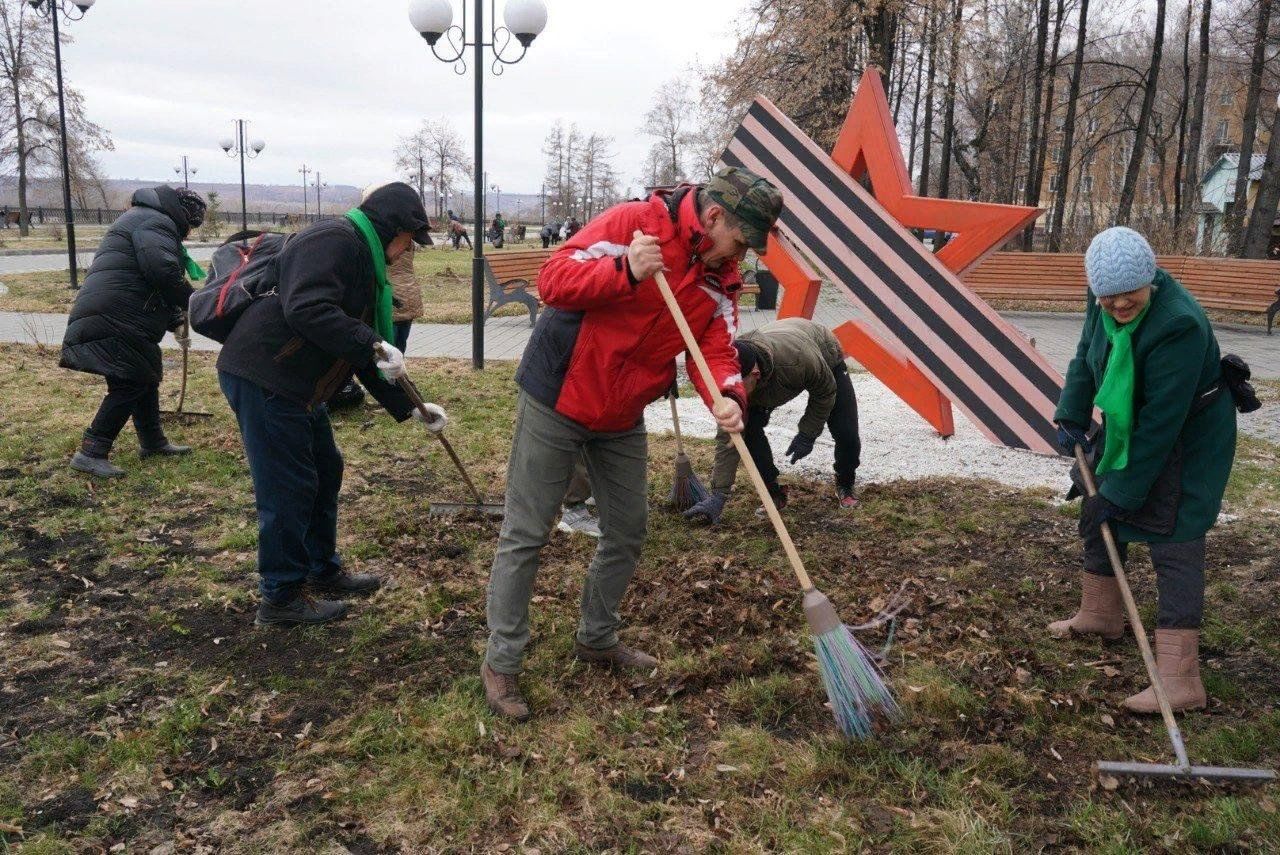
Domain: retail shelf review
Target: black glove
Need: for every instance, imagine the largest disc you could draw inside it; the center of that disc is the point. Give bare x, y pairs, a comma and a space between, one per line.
800, 447
1094, 511
1070, 435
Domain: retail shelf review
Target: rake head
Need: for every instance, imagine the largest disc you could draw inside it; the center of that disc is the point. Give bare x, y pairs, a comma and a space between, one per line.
686, 489
855, 685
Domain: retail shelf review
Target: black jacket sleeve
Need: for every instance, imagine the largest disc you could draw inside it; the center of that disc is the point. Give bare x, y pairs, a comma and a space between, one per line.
389, 395
315, 272
159, 252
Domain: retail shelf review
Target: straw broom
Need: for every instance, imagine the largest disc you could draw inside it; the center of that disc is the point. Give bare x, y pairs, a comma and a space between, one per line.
686, 489
855, 686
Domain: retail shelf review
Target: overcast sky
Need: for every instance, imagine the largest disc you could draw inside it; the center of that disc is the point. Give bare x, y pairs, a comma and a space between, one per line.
335, 83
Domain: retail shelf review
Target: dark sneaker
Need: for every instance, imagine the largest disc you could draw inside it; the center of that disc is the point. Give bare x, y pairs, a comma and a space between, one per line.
99, 466
845, 496
343, 582
166, 450
502, 692
619, 656
301, 609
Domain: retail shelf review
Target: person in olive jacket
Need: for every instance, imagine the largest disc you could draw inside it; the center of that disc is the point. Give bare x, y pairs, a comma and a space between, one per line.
135, 291
780, 361
1149, 361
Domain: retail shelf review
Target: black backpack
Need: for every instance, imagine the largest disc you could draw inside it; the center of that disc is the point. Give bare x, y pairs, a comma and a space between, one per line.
243, 270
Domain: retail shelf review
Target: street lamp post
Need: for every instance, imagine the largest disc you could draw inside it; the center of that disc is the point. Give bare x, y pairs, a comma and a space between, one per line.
318, 185
186, 171
304, 172
238, 147
51, 8
432, 19
498, 190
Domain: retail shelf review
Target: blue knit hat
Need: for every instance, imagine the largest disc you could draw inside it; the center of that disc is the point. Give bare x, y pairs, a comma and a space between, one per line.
1119, 260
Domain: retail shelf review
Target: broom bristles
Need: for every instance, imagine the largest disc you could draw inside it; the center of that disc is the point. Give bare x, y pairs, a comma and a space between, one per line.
855, 685
686, 489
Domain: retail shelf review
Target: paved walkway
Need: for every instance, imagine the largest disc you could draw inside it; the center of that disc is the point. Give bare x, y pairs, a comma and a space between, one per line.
58, 260
1055, 336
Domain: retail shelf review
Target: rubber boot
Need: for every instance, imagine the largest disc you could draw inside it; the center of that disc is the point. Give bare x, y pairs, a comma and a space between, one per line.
1101, 610
167, 449
94, 465
1178, 664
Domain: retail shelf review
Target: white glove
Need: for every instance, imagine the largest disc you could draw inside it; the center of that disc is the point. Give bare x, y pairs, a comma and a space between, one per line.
437, 416
390, 361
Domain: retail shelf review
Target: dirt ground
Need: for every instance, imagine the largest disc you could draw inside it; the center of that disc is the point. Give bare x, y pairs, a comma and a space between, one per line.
142, 712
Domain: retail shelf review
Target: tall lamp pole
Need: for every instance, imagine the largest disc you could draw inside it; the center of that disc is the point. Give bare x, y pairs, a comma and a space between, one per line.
186, 171
524, 19
304, 172
498, 190
319, 184
239, 147
51, 9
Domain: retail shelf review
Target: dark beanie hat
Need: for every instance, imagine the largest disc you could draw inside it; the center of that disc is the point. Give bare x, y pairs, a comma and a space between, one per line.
748, 358
192, 206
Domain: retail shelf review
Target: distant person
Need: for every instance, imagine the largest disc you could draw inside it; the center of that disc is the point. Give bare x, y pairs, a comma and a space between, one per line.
547, 234
457, 230
136, 290
6, 216
572, 228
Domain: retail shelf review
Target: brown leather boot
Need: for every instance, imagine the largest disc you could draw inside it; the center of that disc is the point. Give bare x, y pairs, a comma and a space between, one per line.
1101, 610
619, 656
1178, 664
502, 691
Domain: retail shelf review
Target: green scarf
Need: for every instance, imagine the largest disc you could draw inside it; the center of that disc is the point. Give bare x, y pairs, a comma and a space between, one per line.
1115, 394
194, 271
382, 313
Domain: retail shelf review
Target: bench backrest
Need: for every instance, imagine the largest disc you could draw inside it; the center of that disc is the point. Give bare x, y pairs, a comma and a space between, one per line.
517, 264
1236, 284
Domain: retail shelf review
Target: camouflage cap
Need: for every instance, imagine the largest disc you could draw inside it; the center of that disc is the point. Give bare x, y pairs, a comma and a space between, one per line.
750, 198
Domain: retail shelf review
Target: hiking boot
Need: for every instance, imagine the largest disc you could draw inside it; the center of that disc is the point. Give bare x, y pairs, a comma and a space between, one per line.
577, 519
301, 609
846, 498
341, 582
502, 692
1101, 610
99, 466
166, 450
1178, 664
619, 656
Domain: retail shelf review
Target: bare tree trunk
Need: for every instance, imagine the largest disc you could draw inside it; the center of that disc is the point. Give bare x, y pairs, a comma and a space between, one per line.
1191, 182
1258, 239
949, 103
1130, 186
1069, 132
915, 102
1235, 218
1040, 124
900, 79
928, 103
1182, 120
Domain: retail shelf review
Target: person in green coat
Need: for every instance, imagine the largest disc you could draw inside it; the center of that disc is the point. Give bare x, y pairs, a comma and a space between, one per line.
1148, 360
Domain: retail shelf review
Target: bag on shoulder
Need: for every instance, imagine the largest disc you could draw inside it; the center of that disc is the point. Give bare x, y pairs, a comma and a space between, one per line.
243, 270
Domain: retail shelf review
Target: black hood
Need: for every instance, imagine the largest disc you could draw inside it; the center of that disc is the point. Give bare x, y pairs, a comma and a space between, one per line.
395, 208
165, 200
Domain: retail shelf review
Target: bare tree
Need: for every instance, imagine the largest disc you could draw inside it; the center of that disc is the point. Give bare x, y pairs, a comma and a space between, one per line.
1191, 180
1258, 238
1257, 65
1068, 131
435, 152
1144, 119
668, 123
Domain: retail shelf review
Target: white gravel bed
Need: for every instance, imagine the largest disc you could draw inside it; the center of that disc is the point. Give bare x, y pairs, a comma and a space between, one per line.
896, 443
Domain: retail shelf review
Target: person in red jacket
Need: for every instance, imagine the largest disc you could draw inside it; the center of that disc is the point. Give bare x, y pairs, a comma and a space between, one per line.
603, 350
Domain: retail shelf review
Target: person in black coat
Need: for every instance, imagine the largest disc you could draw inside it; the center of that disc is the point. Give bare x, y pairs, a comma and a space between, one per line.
135, 291
284, 358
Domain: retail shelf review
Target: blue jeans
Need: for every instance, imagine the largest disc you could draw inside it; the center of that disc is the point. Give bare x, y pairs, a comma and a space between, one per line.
297, 472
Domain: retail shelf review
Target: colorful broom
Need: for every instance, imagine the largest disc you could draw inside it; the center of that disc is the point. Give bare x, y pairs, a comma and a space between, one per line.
686, 489
855, 686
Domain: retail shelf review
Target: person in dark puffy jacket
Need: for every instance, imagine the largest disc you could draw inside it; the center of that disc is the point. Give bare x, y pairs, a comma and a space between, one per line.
135, 291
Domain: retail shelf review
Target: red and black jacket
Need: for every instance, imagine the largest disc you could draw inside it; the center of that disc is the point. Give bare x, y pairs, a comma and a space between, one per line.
606, 346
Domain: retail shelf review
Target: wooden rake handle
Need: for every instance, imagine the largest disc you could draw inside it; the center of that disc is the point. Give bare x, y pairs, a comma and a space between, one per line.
1131, 607
691, 344
416, 398
675, 424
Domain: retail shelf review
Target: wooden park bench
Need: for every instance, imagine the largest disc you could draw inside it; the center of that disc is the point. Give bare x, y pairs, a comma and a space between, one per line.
1232, 284
513, 278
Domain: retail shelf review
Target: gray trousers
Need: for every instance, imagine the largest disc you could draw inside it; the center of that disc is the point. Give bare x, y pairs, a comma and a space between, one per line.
1179, 577
543, 455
